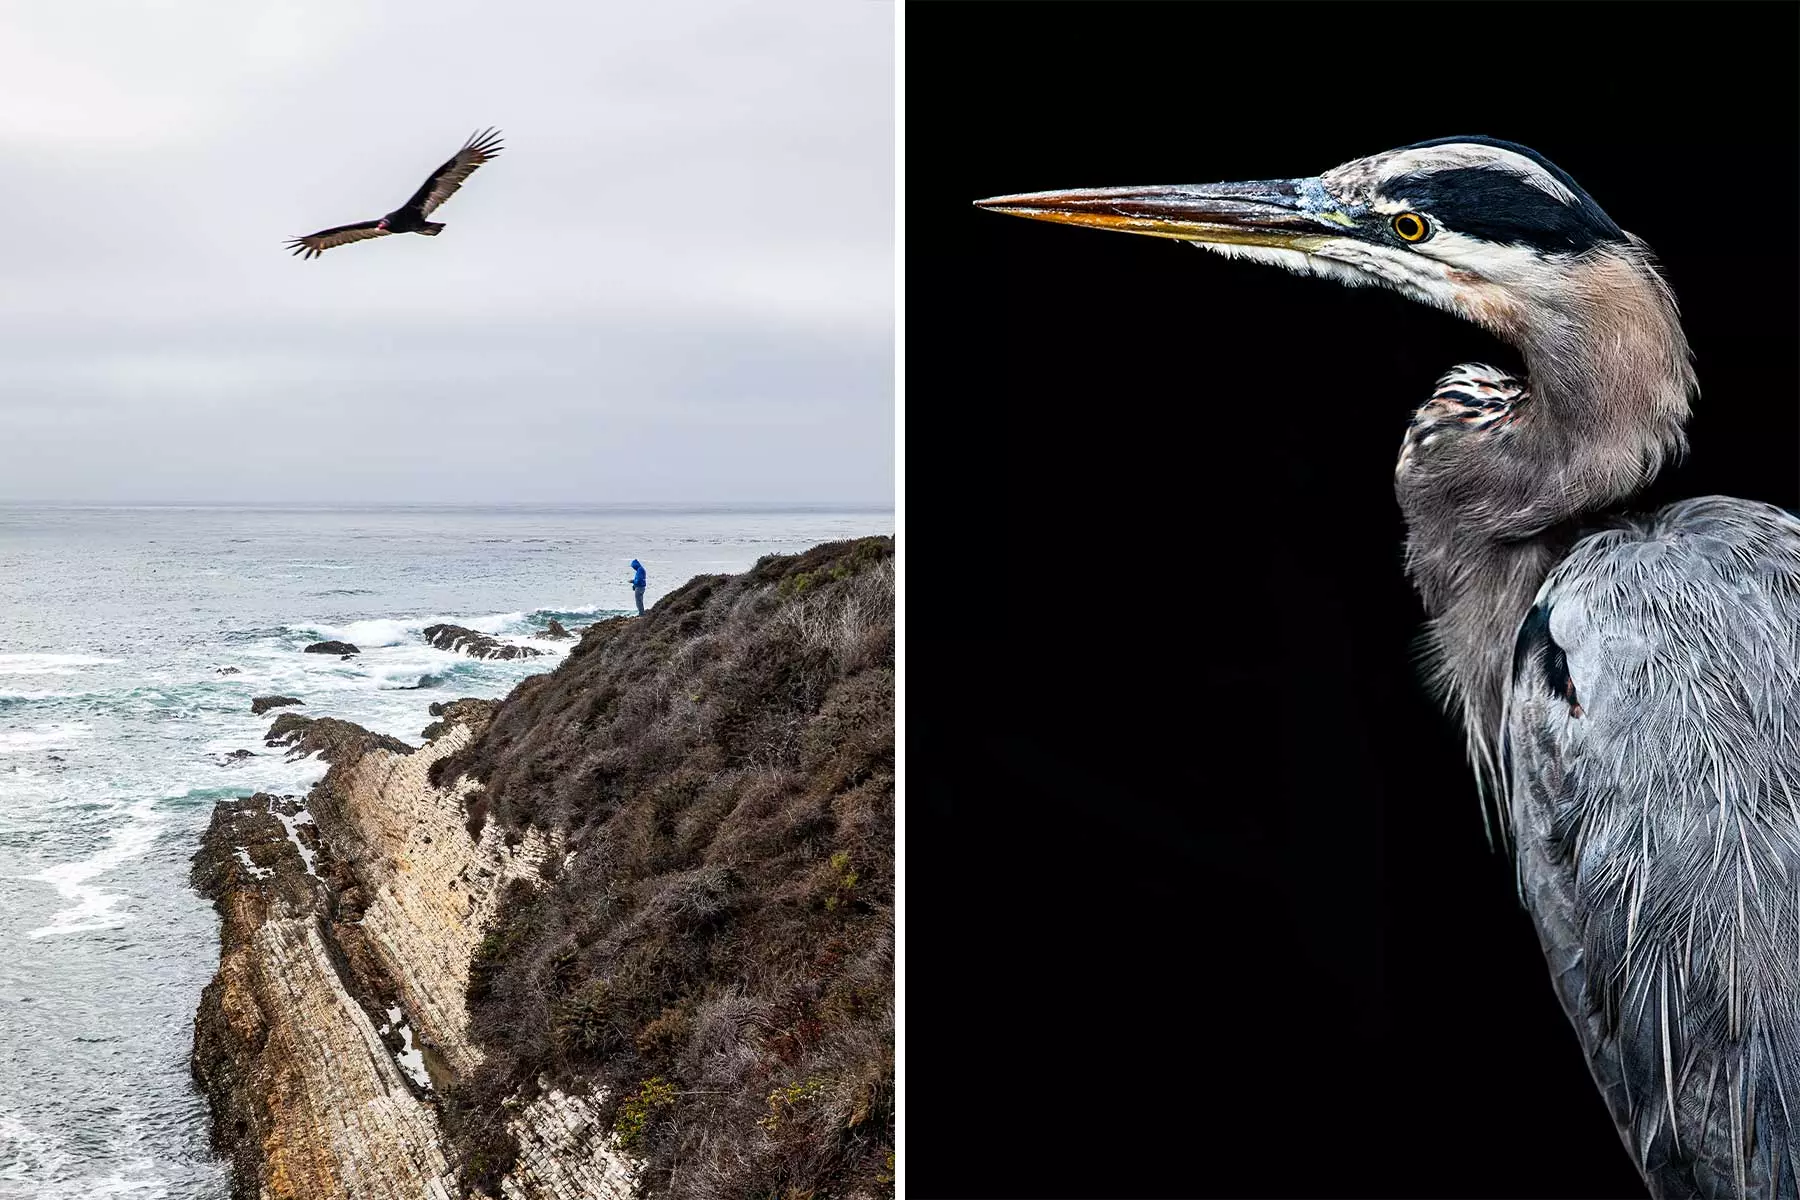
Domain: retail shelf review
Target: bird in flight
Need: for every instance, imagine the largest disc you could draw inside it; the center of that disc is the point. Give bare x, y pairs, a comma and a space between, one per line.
1630, 685
409, 217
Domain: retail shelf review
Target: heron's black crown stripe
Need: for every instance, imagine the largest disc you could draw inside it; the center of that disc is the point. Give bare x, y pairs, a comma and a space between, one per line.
1496, 205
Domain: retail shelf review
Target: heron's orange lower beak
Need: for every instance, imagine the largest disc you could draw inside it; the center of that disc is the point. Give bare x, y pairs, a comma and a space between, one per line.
1269, 213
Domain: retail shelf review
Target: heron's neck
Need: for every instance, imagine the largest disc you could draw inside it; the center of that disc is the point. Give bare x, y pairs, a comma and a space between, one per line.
1609, 381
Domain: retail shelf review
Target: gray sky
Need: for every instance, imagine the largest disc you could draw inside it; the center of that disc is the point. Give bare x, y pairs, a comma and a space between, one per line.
675, 283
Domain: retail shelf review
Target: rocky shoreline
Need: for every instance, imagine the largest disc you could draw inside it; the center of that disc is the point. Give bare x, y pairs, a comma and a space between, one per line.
627, 931
367, 901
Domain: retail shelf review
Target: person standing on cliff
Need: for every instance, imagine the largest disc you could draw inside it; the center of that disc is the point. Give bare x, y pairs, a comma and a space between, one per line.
637, 584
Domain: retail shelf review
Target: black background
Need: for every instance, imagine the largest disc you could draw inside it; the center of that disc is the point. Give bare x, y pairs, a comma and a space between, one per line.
1198, 900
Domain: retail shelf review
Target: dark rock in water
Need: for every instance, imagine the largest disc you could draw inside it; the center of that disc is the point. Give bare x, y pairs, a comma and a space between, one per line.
555, 630
263, 704
334, 740
344, 648
227, 671
475, 645
467, 711
344, 658
236, 757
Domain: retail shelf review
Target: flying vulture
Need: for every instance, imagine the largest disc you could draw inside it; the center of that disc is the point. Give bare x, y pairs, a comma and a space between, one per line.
409, 217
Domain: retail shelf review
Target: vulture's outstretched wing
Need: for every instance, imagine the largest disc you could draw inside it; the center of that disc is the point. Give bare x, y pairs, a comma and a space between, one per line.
315, 244
444, 181
1653, 752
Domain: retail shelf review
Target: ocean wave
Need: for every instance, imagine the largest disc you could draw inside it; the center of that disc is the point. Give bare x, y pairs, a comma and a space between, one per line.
43, 737
401, 631
93, 907
465, 669
49, 664
376, 631
543, 616
491, 623
263, 634
24, 699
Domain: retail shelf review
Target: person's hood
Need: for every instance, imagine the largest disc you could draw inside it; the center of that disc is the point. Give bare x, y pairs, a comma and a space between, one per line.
636, 563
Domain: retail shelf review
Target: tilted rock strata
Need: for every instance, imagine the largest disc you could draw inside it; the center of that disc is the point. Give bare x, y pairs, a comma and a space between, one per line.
427, 889
307, 1099
476, 712
331, 739
475, 645
563, 1153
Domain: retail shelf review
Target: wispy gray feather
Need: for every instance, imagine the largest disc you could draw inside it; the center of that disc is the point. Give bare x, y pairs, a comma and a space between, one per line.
1658, 838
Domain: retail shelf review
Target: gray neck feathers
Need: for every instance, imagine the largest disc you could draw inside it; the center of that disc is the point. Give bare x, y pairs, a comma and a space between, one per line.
1490, 513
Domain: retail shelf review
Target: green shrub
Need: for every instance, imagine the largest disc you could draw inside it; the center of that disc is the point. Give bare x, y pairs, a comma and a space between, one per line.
784, 1100
653, 1094
581, 1024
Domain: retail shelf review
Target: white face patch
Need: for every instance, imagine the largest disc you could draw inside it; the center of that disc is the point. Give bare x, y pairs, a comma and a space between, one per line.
1357, 264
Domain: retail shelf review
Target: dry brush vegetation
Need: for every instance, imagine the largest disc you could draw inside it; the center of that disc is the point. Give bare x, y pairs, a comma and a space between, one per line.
715, 952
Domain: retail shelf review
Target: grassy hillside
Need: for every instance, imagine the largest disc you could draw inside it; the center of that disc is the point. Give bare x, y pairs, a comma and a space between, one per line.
716, 951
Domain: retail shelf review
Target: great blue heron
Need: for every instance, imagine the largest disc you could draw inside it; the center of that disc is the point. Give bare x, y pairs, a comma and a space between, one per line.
1630, 686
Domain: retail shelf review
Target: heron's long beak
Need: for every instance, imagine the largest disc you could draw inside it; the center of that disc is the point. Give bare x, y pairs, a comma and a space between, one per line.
1286, 213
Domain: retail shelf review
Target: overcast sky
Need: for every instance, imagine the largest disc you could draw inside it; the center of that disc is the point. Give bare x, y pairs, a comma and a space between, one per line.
675, 283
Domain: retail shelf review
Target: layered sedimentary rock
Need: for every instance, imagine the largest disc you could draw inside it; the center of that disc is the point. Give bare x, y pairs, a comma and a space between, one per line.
566, 1153
331, 739
420, 889
475, 645
366, 902
307, 1100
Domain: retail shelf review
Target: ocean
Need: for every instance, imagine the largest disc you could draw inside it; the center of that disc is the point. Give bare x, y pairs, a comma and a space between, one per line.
132, 640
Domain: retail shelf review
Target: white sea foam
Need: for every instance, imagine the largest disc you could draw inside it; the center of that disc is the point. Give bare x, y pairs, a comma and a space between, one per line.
407, 630
49, 664
494, 623
93, 906
43, 737
115, 1184
364, 634
27, 1153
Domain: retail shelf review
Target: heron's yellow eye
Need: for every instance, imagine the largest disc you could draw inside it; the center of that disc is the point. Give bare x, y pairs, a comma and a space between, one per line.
1410, 227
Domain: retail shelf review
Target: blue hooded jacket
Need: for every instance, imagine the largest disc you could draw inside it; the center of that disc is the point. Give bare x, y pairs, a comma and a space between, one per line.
638, 579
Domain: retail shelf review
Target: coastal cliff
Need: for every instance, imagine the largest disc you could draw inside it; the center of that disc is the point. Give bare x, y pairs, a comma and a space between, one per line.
627, 932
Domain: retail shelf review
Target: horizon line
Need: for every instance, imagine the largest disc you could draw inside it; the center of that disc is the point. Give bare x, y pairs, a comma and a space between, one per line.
774, 505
